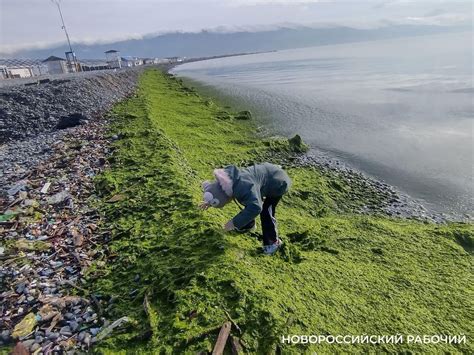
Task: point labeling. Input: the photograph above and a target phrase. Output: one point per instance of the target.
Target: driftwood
(235, 345)
(236, 326)
(20, 349)
(222, 338)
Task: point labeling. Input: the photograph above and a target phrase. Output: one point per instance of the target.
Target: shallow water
(399, 110)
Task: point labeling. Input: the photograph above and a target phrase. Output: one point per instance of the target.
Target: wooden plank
(235, 345)
(222, 339)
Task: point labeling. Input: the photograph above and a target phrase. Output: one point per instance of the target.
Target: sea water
(400, 110)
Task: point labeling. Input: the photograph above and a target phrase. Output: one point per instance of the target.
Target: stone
(53, 336)
(74, 325)
(69, 316)
(81, 336)
(66, 330)
(243, 115)
(87, 339)
(5, 335)
(20, 288)
(58, 198)
(72, 120)
(28, 343)
(35, 347)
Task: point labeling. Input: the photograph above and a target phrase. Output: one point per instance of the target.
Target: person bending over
(258, 189)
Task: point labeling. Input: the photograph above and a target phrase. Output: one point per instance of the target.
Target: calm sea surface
(399, 110)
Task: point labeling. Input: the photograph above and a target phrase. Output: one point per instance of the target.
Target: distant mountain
(208, 43)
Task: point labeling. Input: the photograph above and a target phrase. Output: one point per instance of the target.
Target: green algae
(172, 269)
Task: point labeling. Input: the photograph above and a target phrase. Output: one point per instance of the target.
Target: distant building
(22, 72)
(90, 65)
(72, 64)
(162, 61)
(3, 72)
(174, 59)
(131, 61)
(21, 68)
(113, 59)
(56, 65)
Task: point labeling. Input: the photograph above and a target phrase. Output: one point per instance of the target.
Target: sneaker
(272, 248)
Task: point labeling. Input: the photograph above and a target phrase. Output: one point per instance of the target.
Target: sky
(36, 23)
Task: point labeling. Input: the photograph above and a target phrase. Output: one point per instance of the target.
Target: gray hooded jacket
(251, 185)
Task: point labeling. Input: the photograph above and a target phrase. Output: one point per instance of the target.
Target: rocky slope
(32, 108)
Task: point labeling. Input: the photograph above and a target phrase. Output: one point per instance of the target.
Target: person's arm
(253, 207)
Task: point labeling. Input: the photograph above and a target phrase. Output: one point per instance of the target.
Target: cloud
(35, 23)
(272, 2)
(444, 19)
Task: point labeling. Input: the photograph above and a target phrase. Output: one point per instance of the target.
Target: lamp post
(58, 5)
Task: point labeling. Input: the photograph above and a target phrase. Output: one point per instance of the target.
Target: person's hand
(203, 206)
(229, 226)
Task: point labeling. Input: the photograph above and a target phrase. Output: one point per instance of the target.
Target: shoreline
(402, 204)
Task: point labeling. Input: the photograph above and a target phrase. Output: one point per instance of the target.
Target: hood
(226, 178)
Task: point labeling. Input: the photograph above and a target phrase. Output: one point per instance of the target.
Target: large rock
(72, 120)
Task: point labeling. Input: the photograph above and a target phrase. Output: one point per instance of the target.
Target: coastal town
(113, 60)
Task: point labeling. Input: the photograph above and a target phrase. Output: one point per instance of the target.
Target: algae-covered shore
(172, 270)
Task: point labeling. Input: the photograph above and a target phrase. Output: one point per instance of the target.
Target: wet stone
(5, 335)
(28, 343)
(20, 288)
(69, 316)
(74, 325)
(52, 336)
(66, 330)
(81, 336)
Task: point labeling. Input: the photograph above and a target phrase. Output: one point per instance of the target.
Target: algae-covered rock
(223, 115)
(293, 145)
(243, 115)
(297, 144)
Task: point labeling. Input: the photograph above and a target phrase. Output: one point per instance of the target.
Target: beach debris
(25, 326)
(17, 187)
(235, 345)
(7, 216)
(31, 245)
(58, 198)
(116, 198)
(20, 349)
(222, 338)
(110, 328)
(45, 188)
(49, 236)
